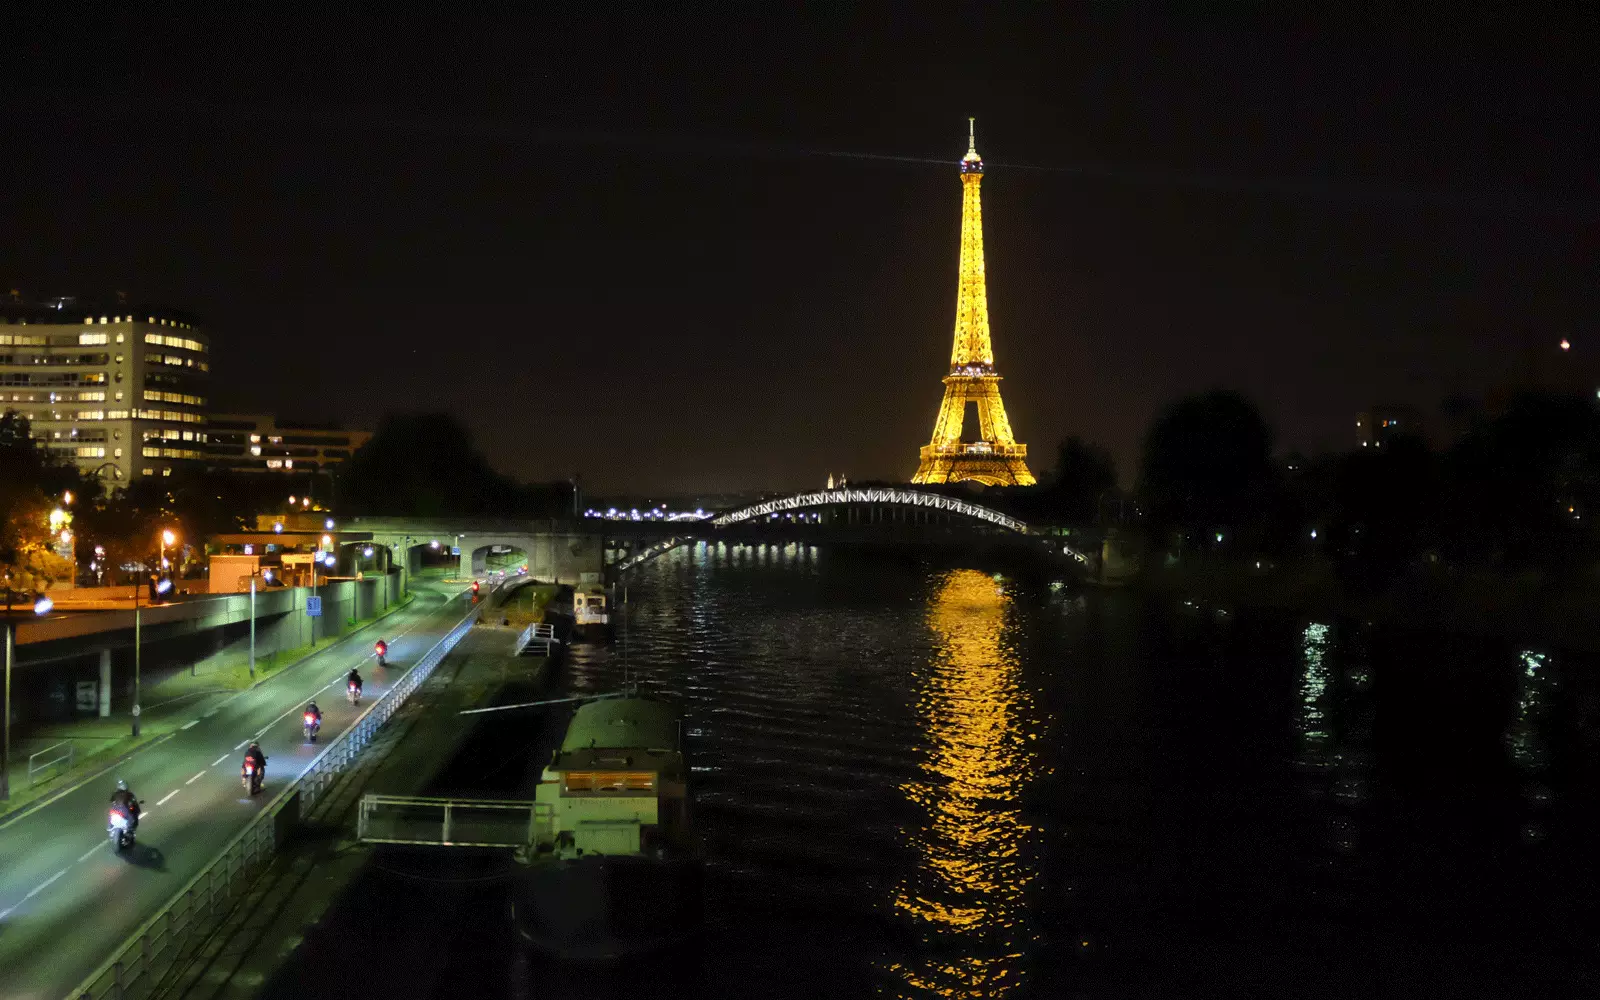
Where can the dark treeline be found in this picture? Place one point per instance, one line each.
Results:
(1517, 493)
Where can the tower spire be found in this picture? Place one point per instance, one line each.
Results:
(995, 458)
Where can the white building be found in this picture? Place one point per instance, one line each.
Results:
(120, 390)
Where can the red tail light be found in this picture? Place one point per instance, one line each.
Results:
(310, 717)
(249, 768)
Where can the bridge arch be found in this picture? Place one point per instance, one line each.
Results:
(889, 495)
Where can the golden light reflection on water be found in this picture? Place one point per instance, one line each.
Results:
(968, 894)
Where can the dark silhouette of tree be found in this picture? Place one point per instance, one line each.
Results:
(1384, 511)
(425, 465)
(1083, 474)
(1206, 466)
(1524, 486)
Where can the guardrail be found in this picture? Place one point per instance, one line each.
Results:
(537, 633)
(437, 822)
(34, 770)
(135, 969)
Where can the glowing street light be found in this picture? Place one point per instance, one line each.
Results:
(40, 607)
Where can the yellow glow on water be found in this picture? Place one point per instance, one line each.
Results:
(974, 872)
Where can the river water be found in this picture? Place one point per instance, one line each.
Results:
(914, 780)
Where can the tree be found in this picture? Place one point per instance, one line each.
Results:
(1524, 487)
(1206, 466)
(423, 465)
(28, 560)
(1083, 474)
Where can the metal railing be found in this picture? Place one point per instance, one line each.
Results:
(537, 634)
(135, 969)
(63, 758)
(436, 822)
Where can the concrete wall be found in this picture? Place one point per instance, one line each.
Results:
(73, 687)
(553, 556)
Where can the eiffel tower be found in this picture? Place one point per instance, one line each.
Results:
(995, 458)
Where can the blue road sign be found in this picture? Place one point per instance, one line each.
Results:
(314, 607)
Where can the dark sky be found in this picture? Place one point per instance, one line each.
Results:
(695, 252)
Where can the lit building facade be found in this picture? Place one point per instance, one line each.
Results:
(121, 391)
(258, 442)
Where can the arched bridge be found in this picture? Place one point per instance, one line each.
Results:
(900, 508)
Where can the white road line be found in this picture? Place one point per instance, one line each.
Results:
(41, 887)
(6, 912)
(242, 745)
(196, 778)
(90, 853)
(222, 758)
(169, 795)
(190, 725)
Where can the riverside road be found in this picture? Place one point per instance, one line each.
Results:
(66, 900)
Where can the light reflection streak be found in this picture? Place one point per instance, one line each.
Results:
(970, 890)
(1313, 723)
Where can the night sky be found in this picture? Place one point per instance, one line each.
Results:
(693, 253)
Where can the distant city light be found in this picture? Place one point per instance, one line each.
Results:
(329, 559)
(43, 605)
(249, 550)
(328, 524)
(1313, 532)
(266, 574)
(1566, 345)
(367, 552)
(1219, 536)
(163, 586)
(278, 527)
(291, 501)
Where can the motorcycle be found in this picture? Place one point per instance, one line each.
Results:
(251, 776)
(353, 692)
(312, 726)
(121, 829)
(382, 649)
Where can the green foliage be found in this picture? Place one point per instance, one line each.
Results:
(29, 481)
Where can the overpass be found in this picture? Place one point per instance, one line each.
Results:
(575, 550)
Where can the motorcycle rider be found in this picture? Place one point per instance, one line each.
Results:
(382, 647)
(315, 714)
(353, 677)
(255, 756)
(123, 799)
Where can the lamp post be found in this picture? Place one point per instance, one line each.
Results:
(40, 606)
(252, 628)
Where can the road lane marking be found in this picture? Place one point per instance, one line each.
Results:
(169, 795)
(41, 887)
(222, 758)
(7, 911)
(90, 853)
(196, 778)
(242, 745)
(190, 725)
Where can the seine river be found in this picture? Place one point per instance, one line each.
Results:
(916, 780)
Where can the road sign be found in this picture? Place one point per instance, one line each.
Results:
(455, 550)
(314, 607)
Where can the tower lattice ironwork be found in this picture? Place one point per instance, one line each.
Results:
(994, 458)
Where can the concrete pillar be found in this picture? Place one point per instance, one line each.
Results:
(105, 683)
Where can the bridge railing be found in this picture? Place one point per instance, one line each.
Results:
(536, 634)
(452, 822)
(137, 967)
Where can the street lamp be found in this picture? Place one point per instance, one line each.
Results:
(41, 606)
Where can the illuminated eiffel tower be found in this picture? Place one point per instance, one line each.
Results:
(995, 458)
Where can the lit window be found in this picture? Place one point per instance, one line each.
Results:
(92, 338)
(255, 449)
(255, 439)
(119, 338)
(166, 472)
(149, 472)
(116, 453)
